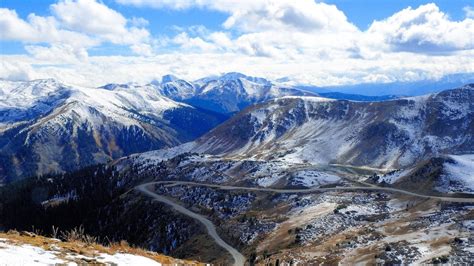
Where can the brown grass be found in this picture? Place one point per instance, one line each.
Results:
(89, 249)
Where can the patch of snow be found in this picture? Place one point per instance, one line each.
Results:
(11, 254)
(158, 156)
(313, 178)
(126, 259)
(359, 209)
(458, 174)
(394, 176)
(268, 180)
(315, 99)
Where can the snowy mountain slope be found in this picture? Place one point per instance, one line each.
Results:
(228, 93)
(47, 127)
(21, 101)
(459, 170)
(447, 174)
(389, 134)
(177, 89)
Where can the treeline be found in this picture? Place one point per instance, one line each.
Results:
(96, 199)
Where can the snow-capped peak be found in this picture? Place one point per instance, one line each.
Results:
(236, 75)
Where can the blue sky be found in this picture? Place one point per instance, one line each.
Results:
(324, 42)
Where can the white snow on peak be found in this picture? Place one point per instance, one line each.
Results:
(308, 98)
(20, 94)
(120, 102)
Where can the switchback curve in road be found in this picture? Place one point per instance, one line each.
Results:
(239, 259)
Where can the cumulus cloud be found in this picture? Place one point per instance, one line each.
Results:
(57, 53)
(304, 15)
(76, 25)
(38, 29)
(309, 42)
(100, 70)
(251, 16)
(138, 22)
(14, 28)
(270, 28)
(469, 10)
(96, 19)
(425, 29)
(16, 70)
(89, 16)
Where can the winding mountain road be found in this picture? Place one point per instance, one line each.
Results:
(239, 259)
(310, 190)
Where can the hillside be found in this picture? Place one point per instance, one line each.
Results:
(47, 126)
(387, 135)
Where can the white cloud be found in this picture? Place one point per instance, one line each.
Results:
(89, 16)
(469, 10)
(253, 15)
(309, 42)
(96, 19)
(16, 70)
(76, 25)
(57, 53)
(138, 22)
(14, 28)
(303, 15)
(99, 70)
(425, 29)
(142, 49)
(189, 43)
(174, 4)
(38, 29)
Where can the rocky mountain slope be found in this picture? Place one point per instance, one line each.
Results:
(445, 174)
(228, 93)
(46, 126)
(387, 135)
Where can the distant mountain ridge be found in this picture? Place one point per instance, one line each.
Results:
(46, 126)
(228, 93)
(409, 88)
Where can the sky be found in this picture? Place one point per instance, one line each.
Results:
(332, 42)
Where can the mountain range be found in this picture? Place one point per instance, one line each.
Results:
(273, 173)
(48, 126)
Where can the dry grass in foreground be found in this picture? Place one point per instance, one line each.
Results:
(82, 249)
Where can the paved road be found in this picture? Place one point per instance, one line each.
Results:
(239, 259)
(310, 190)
